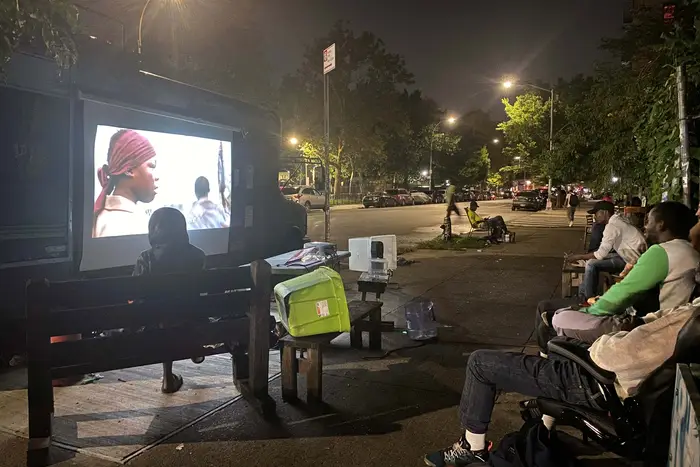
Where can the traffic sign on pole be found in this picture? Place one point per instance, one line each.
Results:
(329, 59)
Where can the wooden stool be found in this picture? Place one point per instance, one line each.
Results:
(568, 272)
(309, 361)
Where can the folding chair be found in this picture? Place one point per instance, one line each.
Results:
(481, 227)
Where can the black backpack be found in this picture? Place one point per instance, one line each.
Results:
(573, 200)
(532, 446)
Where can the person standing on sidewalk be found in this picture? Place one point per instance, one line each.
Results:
(571, 203)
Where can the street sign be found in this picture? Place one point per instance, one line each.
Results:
(329, 59)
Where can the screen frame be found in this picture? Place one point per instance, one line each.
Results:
(96, 112)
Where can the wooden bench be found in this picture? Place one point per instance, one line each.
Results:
(304, 355)
(174, 310)
(588, 231)
(570, 272)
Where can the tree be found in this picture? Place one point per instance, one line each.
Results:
(365, 102)
(476, 168)
(526, 133)
(50, 23)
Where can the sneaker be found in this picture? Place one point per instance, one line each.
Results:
(457, 455)
(571, 224)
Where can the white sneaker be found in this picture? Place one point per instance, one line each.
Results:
(571, 223)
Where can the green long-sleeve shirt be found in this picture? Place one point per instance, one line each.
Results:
(670, 265)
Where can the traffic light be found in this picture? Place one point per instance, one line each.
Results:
(669, 9)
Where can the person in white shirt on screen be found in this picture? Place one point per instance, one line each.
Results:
(126, 179)
(205, 214)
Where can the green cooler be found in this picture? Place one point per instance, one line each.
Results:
(313, 303)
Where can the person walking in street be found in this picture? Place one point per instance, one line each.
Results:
(571, 204)
(450, 200)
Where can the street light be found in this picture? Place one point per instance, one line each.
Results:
(293, 141)
(450, 120)
(496, 141)
(615, 179)
(143, 14)
(424, 173)
(509, 84)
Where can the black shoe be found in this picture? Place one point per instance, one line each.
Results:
(457, 455)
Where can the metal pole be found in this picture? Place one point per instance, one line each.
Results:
(432, 136)
(143, 13)
(551, 136)
(326, 157)
(683, 126)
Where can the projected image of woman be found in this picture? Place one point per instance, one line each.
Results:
(127, 178)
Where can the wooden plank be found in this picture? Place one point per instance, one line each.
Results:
(151, 312)
(258, 351)
(40, 390)
(310, 342)
(148, 346)
(361, 309)
(314, 376)
(117, 290)
(290, 371)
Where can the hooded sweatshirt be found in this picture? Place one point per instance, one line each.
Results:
(634, 355)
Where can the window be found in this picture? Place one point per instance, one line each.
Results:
(308, 191)
(290, 191)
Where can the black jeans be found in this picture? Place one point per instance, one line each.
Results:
(497, 222)
(571, 212)
(489, 371)
(544, 331)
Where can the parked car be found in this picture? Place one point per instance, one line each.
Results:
(379, 200)
(305, 196)
(529, 200)
(507, 195)
(420, 198)
(401, 195)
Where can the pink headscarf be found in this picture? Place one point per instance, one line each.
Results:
(128, 151)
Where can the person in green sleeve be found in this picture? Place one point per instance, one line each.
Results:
(669, 265)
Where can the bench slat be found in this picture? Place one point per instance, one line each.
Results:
(146, 347)
(152, 312)
(115, 290)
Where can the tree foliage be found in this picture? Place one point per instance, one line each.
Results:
(378, 129)
(621, 122)
(49, 23)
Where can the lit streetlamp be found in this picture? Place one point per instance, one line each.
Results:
(496, 141)
(143, 14)
(615, 179)
(424, 173)
(293, 141)
(451, 121)
(509, 84)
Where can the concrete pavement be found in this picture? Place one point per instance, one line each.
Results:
(386, 411)
(412, 224)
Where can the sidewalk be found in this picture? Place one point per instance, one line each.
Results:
(386, 411)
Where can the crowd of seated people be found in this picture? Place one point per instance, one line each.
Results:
(667, 269)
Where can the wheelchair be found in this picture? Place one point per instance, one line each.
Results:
(637, 428)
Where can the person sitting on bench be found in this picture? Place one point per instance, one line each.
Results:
(496, 224)
(622, 244)
(170, 253)
(668, 266)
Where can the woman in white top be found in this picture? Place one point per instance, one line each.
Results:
(126, 179)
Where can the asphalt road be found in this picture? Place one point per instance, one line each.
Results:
(411, 223)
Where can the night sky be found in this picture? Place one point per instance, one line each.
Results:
(457, 49)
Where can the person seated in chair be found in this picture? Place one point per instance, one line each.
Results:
(668, 266)
(622, 244)
(496, 224)
(632, 356)
(170, 253)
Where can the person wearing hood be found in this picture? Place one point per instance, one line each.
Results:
(206, 214)
(171, 252)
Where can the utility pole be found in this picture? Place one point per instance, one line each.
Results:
(551, 138)
(684, 162)
(328, 66)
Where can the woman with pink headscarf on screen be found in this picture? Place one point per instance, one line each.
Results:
(126, 179)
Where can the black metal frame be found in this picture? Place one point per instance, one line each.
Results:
(637, 428)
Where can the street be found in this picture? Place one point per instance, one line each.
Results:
(415, 223)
